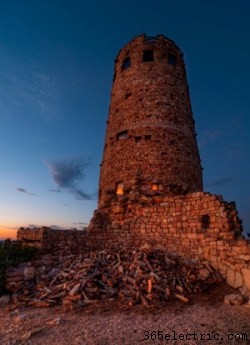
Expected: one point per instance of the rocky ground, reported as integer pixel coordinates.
(109, 322)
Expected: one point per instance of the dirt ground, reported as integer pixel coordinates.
(110, 323)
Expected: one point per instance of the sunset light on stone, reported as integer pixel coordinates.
(124, 172)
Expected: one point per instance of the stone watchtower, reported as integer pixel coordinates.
(150, 145)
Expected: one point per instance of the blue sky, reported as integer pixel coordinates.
(56, 67)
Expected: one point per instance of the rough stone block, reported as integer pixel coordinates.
(29, 273)
(234, 299)
(230, 277)
(246, 277)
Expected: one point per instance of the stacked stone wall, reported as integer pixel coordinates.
(53, 246)
(150, 137)
(58, 242)
(199, 226)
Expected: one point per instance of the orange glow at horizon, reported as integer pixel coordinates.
(7, 233)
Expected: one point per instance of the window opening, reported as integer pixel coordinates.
(128, 95)
(148, 137)
(122, 135)
(205, 221)
(119, 188)
(137, 139)
(148, 55)
(172, 59)
(126, 63)
(155, 186)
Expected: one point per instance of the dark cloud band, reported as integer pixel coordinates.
(67, 174)
(23, 190)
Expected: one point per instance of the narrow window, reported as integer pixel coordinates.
(128, 95)
(205, 221)
(100, 193)
(148, 55)
(119, 188)
(172, 59)
(137, 139)
(126, 63)
(122, 135)
(155, 186)
(148, 137)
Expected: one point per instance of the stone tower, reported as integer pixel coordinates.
(151, 179)
(150, 145)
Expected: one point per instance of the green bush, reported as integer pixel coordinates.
(11, 254)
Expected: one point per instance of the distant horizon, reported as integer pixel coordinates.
(13, 235)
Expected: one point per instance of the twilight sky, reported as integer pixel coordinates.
(56, 68)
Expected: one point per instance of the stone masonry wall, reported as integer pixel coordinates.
(198, 225)
(53, 246)
(150, 138)
(57, 242)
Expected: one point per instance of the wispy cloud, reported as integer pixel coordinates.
(208, 136)
(23, 190)
(235, 150)
(29, 86)
(55, 190)
(80, 195)
(221, 182)
(42, 93)
(8, 227)
(56, 227)
(211, 134)
(80, 223)
(67, 174)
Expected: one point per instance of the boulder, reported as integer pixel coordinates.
(246, 276)
(234, 299)
(4, 300)
(238, 280)
(230, 277)
(29, 273)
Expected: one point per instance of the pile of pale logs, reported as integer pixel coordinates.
(148, 276)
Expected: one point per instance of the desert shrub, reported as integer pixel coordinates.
(11, 254)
